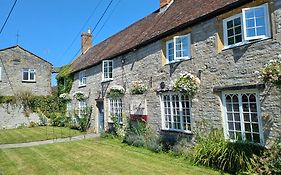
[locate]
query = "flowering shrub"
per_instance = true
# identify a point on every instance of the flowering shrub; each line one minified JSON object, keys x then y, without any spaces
{"x":116,"y":91}
{"x":78,"y":95}
{"x":187,"y":84}
{"x":64,"y":96}
{"x":138,"y":87}
{"x":271,"y":73}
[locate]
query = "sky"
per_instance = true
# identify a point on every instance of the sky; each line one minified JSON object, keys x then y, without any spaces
{"x":52,"y":29}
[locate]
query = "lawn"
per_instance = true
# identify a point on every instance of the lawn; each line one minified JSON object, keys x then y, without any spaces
{"x":35,"y":134}
{"x":95,"y":156}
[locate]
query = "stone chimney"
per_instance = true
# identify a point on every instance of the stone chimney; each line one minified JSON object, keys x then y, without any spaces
{"x":164,"y":3}
{"x":86,"y":41}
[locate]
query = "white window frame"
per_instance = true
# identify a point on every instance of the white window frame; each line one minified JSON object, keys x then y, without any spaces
{"x":176,"y":59}
{"x":29,"y":71}
{"x":267,"y":23}
{"x":242,"y":122}
{"x":246,"y":39}
{"x":82,"y":78}
{"x":226,"y":45}
{"x":108,"y":73}
{"x":171,"y":109}
{"x":117,"y":109}
{"x":82,"y":105}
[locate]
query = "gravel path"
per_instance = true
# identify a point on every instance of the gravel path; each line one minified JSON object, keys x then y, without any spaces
{"x":45,"y":142}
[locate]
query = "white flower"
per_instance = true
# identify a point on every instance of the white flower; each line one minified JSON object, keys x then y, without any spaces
{"x":117,"y":87}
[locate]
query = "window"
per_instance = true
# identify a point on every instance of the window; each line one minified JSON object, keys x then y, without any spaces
{"x":176,"y":112}
{"x":115,"y":108}
{"x":242,"y":116}
{"x":82,"y":78}
{"x":252,"y":23}
{"x":178,"y":48}
{"x":82,"y":108}
{"x":28,"y":75}
{"x":107,"y":67}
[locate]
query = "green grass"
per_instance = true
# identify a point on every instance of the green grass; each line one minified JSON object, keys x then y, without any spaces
{"x":35,"y":134}
{"x":95,"y":156}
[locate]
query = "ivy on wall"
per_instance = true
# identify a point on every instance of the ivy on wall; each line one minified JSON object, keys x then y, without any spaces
{"x":64,"y":79}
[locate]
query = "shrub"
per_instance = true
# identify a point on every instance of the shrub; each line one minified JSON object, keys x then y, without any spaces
{"x":271,"y":73}
{"x":270,"y":161}
{"x":32,"y":124}
{"x":116,"y":91}
{"x":182,"y":147}
{"x":58,"y":119}
{"x":214,"y":151}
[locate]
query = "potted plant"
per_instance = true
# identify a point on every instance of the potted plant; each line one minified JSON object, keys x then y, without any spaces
{"x":138,"y":87}
{"x":271,"y":73}
{"x":116,"y":91}
{"x":187,"y":84}
{"x":78,"y":95}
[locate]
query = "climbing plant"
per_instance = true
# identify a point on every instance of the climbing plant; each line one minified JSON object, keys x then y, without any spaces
{"x":64,"y":79}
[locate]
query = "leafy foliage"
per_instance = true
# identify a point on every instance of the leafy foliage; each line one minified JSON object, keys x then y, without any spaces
{"x":270,"y":161}
{"x":187,"y":84}
{"x":64,"y":79}
{"x":7,"y":100}
{"x":116,"y":92}
{"x":271,"y":73}
{"x":138,"y":87}
{"x":214,"y":151}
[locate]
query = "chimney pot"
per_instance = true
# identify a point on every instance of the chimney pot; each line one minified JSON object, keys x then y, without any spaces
{"x":86,"y":41}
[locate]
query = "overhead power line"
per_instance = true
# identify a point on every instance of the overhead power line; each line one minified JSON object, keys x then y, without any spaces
{"x":2,"y":28}
{"x":78,"y":34}
{"x":103,"y":14}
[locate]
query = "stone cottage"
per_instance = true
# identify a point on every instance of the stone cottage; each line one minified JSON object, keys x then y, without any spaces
{"x":21,"y":70}
{"x":223,"y":42}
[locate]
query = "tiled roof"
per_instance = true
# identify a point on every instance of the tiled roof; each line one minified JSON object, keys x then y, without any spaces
{"x":181,"y":14}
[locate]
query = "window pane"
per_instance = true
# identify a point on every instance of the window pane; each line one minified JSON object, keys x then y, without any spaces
{"x":230,"y":126}
{"x":32,"y":76}
{"x":261,"y":31}
{"x":251,"y":32}
{"x":260,"y":22}
{"x":237,"y":21}
{"x":230,"y":32}
{"x":229,"y":24}
{"x":259,"y":12}
{"x":249,"y":14}
{"x":25,"y":75}
{"x":250,"y":23}
{"x":231,"y":41}
{"x":238,"y":38}
{"x":256,"y":138}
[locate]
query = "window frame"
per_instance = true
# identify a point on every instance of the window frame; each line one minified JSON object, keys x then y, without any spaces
{"x":82,"y":78}
{"x":175,"y":58}
{"x":225,"y":36}
{"x":161,"y":96}
{"x":108,"y":73}
{"x":245,"y":39}
{"x":116,"y":109}
{"x":241,"y":114}
{"x":82,"y":105}
{"x":267,"y":23}
{"x":28,"y":71}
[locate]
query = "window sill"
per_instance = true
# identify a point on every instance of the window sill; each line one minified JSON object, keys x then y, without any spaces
{"x":178,"y":131}
{"x":81,"y":86}
{"x":28,"y":81}
{"x":107,"y":80}
{"x":178,"y":61}
{"x":244,"y":43}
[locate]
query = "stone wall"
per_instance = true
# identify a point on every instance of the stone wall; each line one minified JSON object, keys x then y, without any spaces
{"x":12,"y":117}
{"x":15,"y":59}
{"x":230,"y":67}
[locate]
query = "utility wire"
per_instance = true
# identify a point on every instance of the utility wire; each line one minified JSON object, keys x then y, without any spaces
{"x":8,"y":16}
{"x":114,"y":8}
{"x":2,"y":28}
{"x":78,"y":34}
{"x":94,"y":27}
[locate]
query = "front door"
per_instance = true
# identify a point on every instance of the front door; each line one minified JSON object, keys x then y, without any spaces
{"x":100,"y":116}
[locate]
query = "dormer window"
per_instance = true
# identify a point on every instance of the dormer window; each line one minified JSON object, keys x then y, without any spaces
{"x":28,"y":75}
{"x":178,"y":49}
{"x":252,"y":23}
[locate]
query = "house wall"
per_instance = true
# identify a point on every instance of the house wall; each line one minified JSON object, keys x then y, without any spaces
{"x":15,"y":59}
{"x":217,"y":68}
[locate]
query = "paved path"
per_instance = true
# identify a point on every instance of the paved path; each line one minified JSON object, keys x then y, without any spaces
{"x":45,"y":142}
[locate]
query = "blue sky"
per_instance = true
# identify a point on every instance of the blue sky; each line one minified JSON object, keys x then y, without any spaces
{"x":49,"y":27}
